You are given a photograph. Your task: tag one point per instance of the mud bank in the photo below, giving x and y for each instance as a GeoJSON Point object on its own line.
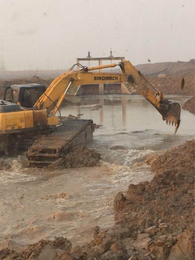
{"type": "Point", "coordinates": [190, 105]}
{"type": "Point", "coordinates": [154, 220]}
{"type": "Point", "coordinates": [172, 84]}
{"type": "Point", "coordinates": [78, 156]}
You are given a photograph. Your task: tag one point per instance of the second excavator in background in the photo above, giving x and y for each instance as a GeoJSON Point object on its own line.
{"type": "Point", "coordinates": [18, 121]}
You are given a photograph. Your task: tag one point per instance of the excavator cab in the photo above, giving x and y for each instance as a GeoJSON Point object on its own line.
{"type": "Point", "coordinates": [24, 95]}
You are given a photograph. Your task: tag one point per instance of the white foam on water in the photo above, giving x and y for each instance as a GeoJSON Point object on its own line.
{"type": "Point", "coordinates": [134, 155]}
{"type": "Point", "coordinates": [13, 171]}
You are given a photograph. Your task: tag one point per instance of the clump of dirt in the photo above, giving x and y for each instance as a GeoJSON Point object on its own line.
{"type": "Point", "coordinates": [62, 195]}
{"type": "Point", "coordinates": [190, 105]}
{"type": "Point", "coordinates": [81, 156]}
{"type": "Point", "coordinates": [77, 157]}
{"type": "Point", "coordinates": [96, 126]}
{"type": "Point", "coordinates": [65, 216]}
{"type": "Point", "coordinates": [44, 249]}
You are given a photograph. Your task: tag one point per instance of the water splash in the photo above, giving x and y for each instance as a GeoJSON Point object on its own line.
{"type": "Point", "coordinates": [134, 156]}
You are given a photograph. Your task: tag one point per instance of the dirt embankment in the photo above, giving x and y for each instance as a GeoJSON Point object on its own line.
{"type": "Point", "coordinates": [190, 105]}
{"type": "Point", "coordinates": [179, 68]}
{"type": "Point", "coordinates": [167, 76]}
{"type": "Point", "coordinates": [172, 84]}
{"type": "Point", "coordinates": [154, 220]}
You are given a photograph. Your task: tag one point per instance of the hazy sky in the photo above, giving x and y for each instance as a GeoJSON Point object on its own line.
{"type": "Point", "coordinates": [51, 34]}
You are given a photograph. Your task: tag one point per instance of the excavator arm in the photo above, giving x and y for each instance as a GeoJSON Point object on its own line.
{"type": "Point", "coordinates": [169, 110]}
{"type": "Point", "coordinates": [55, 93]}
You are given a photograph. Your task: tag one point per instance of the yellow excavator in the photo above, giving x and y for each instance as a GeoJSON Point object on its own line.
{"type": "Point", "coordinates": [18, 120]}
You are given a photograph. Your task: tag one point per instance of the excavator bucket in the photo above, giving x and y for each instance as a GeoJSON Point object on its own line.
{"type": "Point", "coordinates": [170, 112]}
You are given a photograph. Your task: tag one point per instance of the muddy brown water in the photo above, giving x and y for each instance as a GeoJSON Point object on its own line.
{"type": "Point", "coordinates": [37, 203]}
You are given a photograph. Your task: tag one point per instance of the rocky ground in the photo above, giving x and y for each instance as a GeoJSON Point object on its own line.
{"type": "Point", "coordinates": [154, 220]}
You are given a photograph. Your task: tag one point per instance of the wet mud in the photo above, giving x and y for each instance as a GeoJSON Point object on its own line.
{"type": "Point", "coordinates": [153, 219]}
{"type": "Point", "coordinates": [190, 105]}
{"type": "Point", "coordinates": [138, 203]}
{"type": "Point", "coordinates": [79, 156]}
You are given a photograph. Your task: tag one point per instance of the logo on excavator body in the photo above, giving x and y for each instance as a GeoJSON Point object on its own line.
{"type": "Point", "coordinates": [106, 78]}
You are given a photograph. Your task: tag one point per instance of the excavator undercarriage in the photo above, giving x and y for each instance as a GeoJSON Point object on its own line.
{"type": "Point", "coordinates": [50, 149]}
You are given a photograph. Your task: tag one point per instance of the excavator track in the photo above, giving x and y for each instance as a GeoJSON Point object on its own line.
{"type": "Point", "coordinates": [50, 149]}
